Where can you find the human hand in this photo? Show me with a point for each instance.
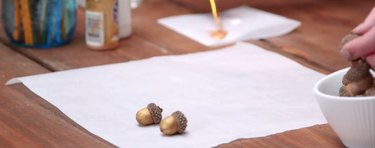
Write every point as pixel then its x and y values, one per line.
pixel 364 45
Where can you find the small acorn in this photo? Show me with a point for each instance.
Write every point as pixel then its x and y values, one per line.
pixel 149 115
pixel 370 92
pixel 174 124
pixel 357 80
pixel 349 37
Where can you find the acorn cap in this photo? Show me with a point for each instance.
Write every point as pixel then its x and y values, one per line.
pixel 349 37
pixel 370 92
pixel 181 121
pixel 360 69
pixel 155 112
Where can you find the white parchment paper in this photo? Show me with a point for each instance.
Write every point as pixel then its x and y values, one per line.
pixel 241 91
pixel 241 23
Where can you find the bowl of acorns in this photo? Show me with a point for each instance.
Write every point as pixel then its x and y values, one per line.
pixel 347 100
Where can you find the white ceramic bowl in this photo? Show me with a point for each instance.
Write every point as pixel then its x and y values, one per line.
pixel 352 118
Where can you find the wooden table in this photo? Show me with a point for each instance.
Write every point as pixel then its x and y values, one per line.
pixel 28 120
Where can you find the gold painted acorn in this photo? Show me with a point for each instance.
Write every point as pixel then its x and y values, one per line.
pixel 174 124
pixel 149 115
pixel 357 80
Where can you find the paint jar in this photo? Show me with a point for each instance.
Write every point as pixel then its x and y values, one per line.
pixel 102 24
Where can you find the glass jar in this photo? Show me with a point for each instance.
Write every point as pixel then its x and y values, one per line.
pixel 39 23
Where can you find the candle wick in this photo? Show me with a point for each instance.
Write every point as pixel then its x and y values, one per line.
pixel 219 33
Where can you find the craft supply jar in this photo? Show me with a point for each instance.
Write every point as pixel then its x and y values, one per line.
pixel 39 23
pixel 102 24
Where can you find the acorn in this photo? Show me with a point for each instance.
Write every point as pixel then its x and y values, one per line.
pixel 174 124
pixel 343 91
pixel 149 115
pixel 349 37
pixel 357 80
pixel 370 92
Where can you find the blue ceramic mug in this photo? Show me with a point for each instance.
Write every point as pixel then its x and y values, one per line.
pixel 39 23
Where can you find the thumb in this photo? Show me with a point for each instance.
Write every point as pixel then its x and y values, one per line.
pixel 360 47
pixel 367 24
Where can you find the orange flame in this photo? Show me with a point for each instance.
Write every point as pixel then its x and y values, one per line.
pixel 220 33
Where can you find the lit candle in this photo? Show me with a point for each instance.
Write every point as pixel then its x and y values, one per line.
pixel 219 33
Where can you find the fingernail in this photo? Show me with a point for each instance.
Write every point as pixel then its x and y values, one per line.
pixel 346 54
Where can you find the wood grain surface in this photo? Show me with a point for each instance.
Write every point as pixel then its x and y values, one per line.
pixel 26 120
